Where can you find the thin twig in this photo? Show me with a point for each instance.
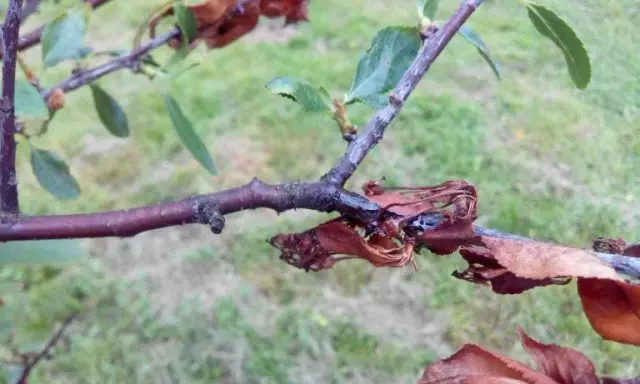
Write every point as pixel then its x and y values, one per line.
pixel 32 38
pixel 46 349
pixel 367 140
pixel 130 61
pixel 8 180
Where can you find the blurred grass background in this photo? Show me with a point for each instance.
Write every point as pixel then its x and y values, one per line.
pixel 181 305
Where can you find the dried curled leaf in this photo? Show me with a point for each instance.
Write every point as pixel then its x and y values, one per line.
pixel 454 200
pixel 389 241
pixel 313 249
pixel 555 365
pixel 221 22
pixel 513 266
pixel 612 306
pixel 473 364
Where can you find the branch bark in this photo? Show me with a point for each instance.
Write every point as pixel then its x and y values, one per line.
pixel 129 61
pixel 8 180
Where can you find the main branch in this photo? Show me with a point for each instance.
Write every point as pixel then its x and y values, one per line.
pixel 8 179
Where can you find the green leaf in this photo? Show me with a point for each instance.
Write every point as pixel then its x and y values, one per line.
pixel 427 8
pixel 303 93
pixel 382 66
pixel 53 174
pixel 40 252
pixel 378 101
pixel 62 37
pixel 110 112
pixel 482 48
pixel 549 24
pixel 29 103
pixel 186 21
pixel 188 134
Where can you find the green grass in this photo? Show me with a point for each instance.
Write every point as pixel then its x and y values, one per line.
pixel 181 305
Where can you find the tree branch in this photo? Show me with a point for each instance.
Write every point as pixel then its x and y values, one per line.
pixel 33 38
pixel 129 222
pixel 367 140
pixel 8 180
pixel 326 195
pixel 45 350
pixel 130 60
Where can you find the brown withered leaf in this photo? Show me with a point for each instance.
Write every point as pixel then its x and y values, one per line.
pixel 555 365
pixel 475 365
pixel 514 266
pixel 612 308
pixel 313 249
pixel 533 260
pixel 563 365
pixel 221 22
pixel 632 250
pixel 454 200
pixel 603 244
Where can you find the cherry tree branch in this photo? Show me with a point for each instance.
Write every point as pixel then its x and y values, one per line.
pixel 45 350
pixel 130 61
pixel 206 209
pixel 8 179
pixel 32 38
pixel 326 195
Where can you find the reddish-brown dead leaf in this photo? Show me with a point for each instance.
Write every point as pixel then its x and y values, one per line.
pixel 533 260
pixel 603 244
pixel 473 364
pixel 563 365
pixel 632 250
pixel 555 365
pixel 221 22
pixel 613 308
pixel 313 249
pixel 455 200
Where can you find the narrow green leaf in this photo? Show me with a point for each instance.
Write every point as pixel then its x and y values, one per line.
pixel 41 252
pixel 550 25
pixel 53 174
pixel 427 8
pixel 62 38
pixel 29 103
pixel 188 134
pixel 482 48
pixel 303 93
pixel 382 66
pixel 186 21
pixel 110 112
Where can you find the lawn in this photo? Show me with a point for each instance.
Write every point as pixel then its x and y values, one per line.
pixel 183 305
